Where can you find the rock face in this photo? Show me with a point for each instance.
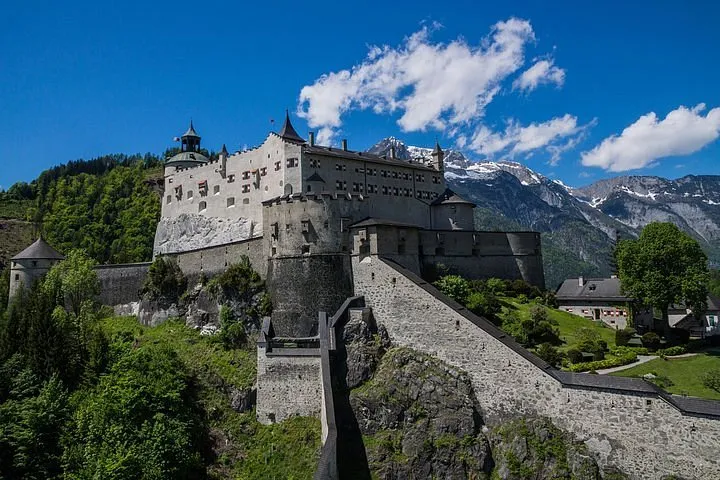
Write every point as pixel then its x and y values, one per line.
pixel 190 231
pixel 365 343
pixel 419 420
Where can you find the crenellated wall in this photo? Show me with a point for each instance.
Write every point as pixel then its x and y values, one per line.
pixel 624 422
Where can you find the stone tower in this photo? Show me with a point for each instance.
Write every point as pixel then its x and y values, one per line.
pixel 30 264
pixel 189 155
pixel 438 158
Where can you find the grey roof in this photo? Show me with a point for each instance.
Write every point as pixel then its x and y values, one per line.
pixel 39 250
pixel 224 149
pixel 592 289
pixel 363 156
pixel 437 148
pixel 191 131
pixel 628 384
pixel 190 157
pixel 288 132
pixel 450 197
pixel 371 222
pixel 315 178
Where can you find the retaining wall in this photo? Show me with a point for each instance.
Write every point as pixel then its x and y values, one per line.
pixel 120 285
pixel 624 422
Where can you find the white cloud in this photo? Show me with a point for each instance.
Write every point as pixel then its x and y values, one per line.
pixel 556 136
pixel 432 85
pixel 682 132
pixel 541 72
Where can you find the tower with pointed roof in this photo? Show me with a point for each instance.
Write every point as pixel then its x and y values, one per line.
pixel 438 158
pixel 288 132
pixel 31 264
pixel 189 155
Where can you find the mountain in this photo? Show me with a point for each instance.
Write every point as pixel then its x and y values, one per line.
pixel 578 225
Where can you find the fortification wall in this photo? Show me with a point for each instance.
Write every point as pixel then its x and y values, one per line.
pixel 214 260
pixel 288 384
pixel 624 422
pixel 120 285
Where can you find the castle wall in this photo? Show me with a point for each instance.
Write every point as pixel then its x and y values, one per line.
pixel 120 285
pixel 214 260
pixel 624 422
pixel 288 384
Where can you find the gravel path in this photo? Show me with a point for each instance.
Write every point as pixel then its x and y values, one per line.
pixel 641 359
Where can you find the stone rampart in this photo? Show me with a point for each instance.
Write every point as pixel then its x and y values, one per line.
pixel 624 422
pixel 214 260
pixel 120 285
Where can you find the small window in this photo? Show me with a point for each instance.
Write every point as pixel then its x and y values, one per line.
pixel 231 178
pixel 246 175
pixel 168 199
pixel 231 202
pixel 202 206
pixel 216 190
pixel 34 263
pixel 246 188
pixel 189 194
pixel 305 249
pixel 277 166
pixel 246 201
pixel 17 277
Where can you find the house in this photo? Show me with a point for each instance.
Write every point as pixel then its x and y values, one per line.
pixel 600 299
pixel 679 316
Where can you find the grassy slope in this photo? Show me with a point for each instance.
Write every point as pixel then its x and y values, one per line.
pixel 685 373
pixel 245 448
pixel 568 324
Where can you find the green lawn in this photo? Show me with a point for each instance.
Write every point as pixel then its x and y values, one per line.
pixel 568 324
pixel 684 373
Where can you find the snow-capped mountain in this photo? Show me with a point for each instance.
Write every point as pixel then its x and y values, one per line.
pixel 579 226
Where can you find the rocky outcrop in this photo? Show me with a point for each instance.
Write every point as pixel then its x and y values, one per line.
pixel 420 420
pixel 365 344
pixel 190 232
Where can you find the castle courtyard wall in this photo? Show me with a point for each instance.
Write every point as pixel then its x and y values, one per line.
pixel 120 286
pixel 629 425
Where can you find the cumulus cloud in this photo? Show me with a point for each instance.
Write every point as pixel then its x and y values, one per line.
pixel 556 136
pixel 682 132
pixel 542 72
pixel 432 85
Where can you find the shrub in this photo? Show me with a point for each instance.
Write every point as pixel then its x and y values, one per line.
pixel 239 278
pixel 619 351
pixel 622 337
pixel 455 287
pixel 522 298
pixel 549 353
pixel 164 279
pixel 495 285
pixel 484 304
pixel 671 351
pixel 538 313
pixel 602 364
pixel 651 341
pixel 711 380
pixel 574 355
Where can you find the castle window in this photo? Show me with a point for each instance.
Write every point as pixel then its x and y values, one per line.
pixel 338 167
pixel 231 178
pixel 306 249
pixel 292 162
pixel 274 250
pixel 34 263
pixel 277 166
pixel 246 175
pixel 190 194
pixel 216 189
pixel 168 199
pixel 263 171
pixel 202 206
pixel 305 226
pixel 385 190
pixel 246 201
pixel 338 185
pixel 315 163
pixel 274 230
pixel 17 277
pixel 436 179
pixel 395 191
pixel 178 192
pixel 394 174
pixel 309 188
pixel 230 202
pixel 246 188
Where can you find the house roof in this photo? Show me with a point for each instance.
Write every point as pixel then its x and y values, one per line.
pixel 372 222
pixel 39 250
pixel 449 197
pixel 592 289
pixel 363 156
pixel 288 132
pixel 195 157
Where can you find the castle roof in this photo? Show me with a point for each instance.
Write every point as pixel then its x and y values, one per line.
pixel 39 250
pixel 373 222
pixel 437 148
pixel 288 132
pixel 188 157
pixel 449 197
pixel 362 156
pixel 191 131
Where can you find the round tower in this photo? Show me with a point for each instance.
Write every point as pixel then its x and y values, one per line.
pixel 30 264
pixel 189 155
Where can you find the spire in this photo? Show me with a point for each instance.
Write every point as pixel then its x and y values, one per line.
pixel 191 131
pixel 288 132
pixel 437 148
pixel 438 158
pixel 224 150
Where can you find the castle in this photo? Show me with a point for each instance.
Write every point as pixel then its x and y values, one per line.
pixel 339 232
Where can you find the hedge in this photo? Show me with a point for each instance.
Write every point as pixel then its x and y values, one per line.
pixel 619 361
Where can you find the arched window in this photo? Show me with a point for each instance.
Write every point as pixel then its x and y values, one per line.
pixel 231 202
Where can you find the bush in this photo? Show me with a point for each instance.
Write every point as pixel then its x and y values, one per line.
pixel 496 286
pixel 239 278
pixel 484 304
pixel 620 351
pixel 522 298
pixel 455 287
pixel 602 364
pixel 711 380
pixel 232 332
pixel 672 351
pixel 549 353
pixel 574 355
pixel 651 341
pixel 164 279
pixel 622 337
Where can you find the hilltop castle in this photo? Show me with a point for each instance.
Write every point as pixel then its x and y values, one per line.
pixel 301 206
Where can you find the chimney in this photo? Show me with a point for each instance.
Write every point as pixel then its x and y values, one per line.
pixel 344 144
pixel 581 281
pixel 311 138
pixel 392 151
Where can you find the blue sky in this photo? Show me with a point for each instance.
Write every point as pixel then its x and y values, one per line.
pixel 566 88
